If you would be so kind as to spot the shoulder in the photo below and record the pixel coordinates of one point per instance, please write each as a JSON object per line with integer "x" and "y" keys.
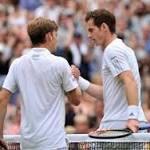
{"x": 59, "y": 65}
{"x": 117, "y": 48}
{"x": 59, "y": 61}
{"x": 15, "y": 62}
{"x": 114, "y": 51}
{"x": 18, "y": 61}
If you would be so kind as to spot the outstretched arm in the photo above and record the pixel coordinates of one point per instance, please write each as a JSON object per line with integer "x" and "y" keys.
{"x": 90, "y": 88}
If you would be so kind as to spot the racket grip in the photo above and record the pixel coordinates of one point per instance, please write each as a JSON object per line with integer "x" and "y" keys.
{"x": 144, "y": 127}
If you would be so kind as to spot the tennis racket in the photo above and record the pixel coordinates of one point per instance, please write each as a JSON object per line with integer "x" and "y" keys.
{"x": 115, "y": 133}
{"x": 3, "y": 145}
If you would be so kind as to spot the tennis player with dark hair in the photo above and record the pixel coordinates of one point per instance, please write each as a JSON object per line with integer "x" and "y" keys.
{"x": 42, "y": 79}
{"x": 121, "y": 80}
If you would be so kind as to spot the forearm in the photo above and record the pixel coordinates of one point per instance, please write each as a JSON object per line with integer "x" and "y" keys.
{"x": 74, "y": 96}
{"x": 90, "y": 88}
{"x": 131, "y": 92}
{"x": 132, "y": 99}
{"x": 3, "y": 109}
{"x": 133, "y": 109}
{"x": 4, "y": 97}
{"x": 95, "y": 91}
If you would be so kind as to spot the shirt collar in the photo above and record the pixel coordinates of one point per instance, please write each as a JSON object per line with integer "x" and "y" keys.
{"x": 111, "y": 43}
{"x": 39, "y": 49}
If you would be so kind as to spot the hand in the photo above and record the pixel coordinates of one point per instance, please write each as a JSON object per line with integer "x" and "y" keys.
{"x": 3, "y": 145}
{"x": 75, "y": 71}
{"x": 133, "y": 125}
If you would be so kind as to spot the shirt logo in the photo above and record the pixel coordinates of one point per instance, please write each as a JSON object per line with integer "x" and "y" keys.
{"x": 35, "y": 56}
{"x": 132, "y": 114}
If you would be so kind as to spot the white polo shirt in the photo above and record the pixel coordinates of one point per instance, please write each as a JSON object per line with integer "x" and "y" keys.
{"x": 42, "y": 80}
{"x": 118, "y": 58}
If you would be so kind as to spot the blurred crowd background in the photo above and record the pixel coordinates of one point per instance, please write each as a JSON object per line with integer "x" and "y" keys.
{"x": 133, "y": 26}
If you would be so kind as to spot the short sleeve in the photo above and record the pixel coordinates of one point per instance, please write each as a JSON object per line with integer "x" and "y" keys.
{"x": 10, "y": 81}
{"x": 117, "y": 62}
{"x": 69, "y": 82}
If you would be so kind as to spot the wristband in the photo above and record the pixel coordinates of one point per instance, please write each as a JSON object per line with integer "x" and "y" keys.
{"x": 83, "y": 83}
{"x": 133, "y": 112}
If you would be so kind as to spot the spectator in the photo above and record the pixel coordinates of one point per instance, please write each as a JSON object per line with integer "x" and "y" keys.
{"x": 48, "y": 9}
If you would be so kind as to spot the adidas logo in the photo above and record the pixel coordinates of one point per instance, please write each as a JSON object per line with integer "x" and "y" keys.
{"x": 132, "y": 114}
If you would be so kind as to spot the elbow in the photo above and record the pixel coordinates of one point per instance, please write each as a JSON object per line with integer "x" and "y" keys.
{"x": 3, "y": 102}
{"x": 74, "y": 97}
{"x": 77, "y": 99}
{"x": 4, "y": 98}
{"x": 130, "y": 82}
{"x": 77, "y": 102}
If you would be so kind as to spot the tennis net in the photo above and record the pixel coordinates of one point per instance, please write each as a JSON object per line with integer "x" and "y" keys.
{"x": 137, "y": 141}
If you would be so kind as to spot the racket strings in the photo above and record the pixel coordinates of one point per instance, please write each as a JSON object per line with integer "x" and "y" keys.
{"x": 110, "y": 133}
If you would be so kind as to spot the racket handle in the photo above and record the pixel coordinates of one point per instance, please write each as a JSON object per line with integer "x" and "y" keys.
{"x": 144, "y": 127}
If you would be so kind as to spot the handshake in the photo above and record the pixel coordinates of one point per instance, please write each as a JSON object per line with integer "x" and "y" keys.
{"x": 83, "y": 83}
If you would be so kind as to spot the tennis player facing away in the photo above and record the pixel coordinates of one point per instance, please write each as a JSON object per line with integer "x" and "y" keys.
{"x": 43, "y": 79}
{"x": 121, "y": 80}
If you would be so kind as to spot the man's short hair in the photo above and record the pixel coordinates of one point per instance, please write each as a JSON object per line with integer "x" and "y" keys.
{"x": 38, "y": 28}
{"x": 100, "y": 16}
